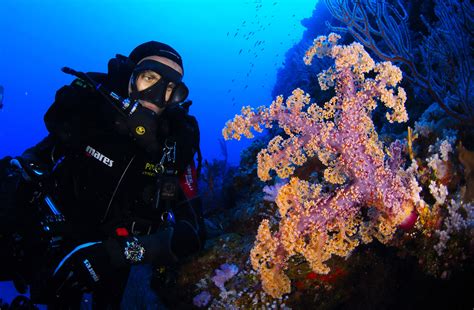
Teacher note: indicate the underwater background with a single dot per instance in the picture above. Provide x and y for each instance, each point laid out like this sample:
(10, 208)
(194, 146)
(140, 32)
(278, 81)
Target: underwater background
(359, 192)
(231, 52)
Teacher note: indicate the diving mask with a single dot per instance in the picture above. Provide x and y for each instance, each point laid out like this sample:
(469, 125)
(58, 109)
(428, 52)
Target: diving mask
(156, 93)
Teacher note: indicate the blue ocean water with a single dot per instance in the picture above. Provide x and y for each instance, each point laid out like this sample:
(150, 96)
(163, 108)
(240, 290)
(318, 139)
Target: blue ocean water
(231, 51)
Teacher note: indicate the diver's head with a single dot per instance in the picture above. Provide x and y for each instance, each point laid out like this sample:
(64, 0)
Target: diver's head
(156, 81)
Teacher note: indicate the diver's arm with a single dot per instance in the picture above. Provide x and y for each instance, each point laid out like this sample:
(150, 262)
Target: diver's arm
(42, 153)
(88, 263)
(74, 107)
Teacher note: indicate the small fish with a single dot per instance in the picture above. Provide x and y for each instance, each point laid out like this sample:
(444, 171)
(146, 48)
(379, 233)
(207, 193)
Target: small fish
(274, 3)
(240, 52)
(228, 33)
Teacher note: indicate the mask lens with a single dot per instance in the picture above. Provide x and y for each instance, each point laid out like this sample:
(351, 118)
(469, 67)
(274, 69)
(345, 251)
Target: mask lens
(146, 79)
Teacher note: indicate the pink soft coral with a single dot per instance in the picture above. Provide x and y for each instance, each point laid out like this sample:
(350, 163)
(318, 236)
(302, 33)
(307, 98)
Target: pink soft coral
(341, 134)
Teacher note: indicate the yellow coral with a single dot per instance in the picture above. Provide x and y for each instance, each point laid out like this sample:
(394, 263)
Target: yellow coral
(264, 248)
(385, 231)
(322, 46)
(388, 72)
(330, 108)
(316, 252)
(334, 176)
(366, 232)
(326, 79)
(295, 193)
(274, 280)
(342, 242)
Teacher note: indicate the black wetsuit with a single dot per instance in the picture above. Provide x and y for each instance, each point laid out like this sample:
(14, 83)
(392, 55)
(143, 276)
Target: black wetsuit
(104, 182)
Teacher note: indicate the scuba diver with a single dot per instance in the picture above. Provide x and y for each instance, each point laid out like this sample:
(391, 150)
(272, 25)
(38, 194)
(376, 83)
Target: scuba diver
(114, 184)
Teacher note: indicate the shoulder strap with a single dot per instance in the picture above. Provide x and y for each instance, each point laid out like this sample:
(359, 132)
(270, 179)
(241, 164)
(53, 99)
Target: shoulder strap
(196, 142)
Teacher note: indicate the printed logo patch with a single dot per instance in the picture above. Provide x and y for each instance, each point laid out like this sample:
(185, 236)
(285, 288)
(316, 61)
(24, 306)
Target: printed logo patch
(100, 157)
(91, 270)
(151, 169)
(187, 180)
(140, 130)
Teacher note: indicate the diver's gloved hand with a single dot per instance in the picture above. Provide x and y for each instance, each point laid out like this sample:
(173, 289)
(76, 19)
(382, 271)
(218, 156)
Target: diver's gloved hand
(148, 249)
(29, 179)
(80, 270)
(29, 170)
(83, 268)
